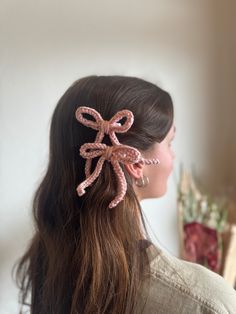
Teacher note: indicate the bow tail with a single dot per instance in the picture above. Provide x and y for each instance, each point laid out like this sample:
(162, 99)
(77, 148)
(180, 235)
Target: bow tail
(82, 186)
(88, 167)
(113, 138)
(88, 163)
(122, 184)
(99, 137)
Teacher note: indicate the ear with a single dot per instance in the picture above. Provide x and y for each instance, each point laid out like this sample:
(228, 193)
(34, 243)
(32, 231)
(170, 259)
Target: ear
(135, 170)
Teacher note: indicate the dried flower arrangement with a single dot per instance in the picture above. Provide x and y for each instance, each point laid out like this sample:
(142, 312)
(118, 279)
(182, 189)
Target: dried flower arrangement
(202, 221)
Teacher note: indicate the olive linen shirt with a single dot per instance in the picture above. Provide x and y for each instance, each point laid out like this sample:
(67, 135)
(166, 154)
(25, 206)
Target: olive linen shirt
(177, 286)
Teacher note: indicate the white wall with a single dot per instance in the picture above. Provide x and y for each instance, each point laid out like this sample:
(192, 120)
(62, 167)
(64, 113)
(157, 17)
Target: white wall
(184, 46)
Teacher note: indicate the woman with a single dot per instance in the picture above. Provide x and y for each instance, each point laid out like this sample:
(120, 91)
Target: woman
(110, 147)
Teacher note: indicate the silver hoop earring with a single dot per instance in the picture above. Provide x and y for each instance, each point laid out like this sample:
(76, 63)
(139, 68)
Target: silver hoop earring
(142, 182)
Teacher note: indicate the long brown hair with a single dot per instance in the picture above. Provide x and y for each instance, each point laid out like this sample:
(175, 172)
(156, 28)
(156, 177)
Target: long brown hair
(85, 257)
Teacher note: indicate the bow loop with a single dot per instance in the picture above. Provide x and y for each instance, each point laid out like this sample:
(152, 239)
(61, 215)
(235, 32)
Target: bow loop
(126, 154)
(92, 150)
(96, 115)
(122, 128)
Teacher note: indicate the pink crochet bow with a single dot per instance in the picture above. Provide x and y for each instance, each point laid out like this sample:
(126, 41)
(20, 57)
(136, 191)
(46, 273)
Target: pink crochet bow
(115, 154)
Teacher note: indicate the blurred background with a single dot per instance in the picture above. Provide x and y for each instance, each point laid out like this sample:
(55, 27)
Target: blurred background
(187, 47)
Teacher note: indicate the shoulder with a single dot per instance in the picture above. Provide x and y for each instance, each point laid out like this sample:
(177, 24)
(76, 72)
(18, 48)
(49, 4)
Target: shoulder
(178, 286)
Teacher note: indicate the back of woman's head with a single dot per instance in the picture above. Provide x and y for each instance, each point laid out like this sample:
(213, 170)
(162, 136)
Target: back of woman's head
(86, 257)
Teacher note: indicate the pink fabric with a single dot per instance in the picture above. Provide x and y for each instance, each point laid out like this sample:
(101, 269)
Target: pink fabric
(115, 154)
